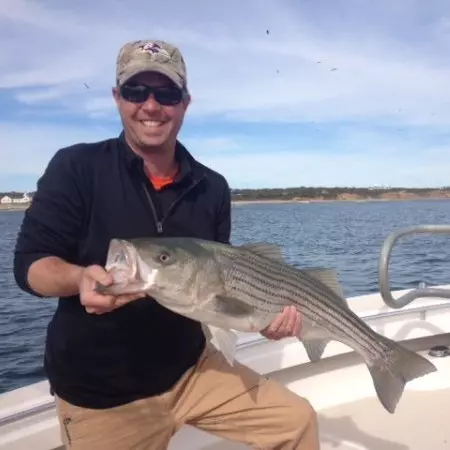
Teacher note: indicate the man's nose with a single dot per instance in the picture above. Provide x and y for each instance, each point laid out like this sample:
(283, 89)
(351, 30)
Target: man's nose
(151, 104)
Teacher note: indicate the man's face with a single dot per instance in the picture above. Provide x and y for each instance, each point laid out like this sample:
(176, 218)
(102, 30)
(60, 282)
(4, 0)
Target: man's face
(150, 126)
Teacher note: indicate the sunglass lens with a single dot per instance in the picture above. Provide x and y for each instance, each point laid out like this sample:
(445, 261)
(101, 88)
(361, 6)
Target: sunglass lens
(168, 96)
(139, 93)
(134, 93)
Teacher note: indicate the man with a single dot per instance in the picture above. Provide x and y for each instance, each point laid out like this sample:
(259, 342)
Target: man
(127, 373)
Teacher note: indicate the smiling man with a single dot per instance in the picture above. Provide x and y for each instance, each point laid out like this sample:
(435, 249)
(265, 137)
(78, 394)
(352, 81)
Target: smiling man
(126, 372)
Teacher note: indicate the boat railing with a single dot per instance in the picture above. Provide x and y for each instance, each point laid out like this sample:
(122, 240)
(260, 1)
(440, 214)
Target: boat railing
(383, 268)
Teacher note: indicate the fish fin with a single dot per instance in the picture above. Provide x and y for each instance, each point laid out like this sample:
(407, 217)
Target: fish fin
(314, 348)
(224, 341)
(271, 251)
(330, 278)
(390, 381)
(232, 306)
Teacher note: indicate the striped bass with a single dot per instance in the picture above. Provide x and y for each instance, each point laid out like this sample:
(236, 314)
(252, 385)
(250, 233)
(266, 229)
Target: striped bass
(244, 288)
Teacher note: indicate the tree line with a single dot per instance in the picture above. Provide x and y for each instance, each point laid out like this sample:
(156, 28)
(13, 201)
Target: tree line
(327, 193)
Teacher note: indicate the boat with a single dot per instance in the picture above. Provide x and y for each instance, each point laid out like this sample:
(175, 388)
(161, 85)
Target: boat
(339, 386)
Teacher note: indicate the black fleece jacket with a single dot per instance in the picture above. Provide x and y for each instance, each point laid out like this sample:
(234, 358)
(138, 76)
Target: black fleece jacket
(89, 194)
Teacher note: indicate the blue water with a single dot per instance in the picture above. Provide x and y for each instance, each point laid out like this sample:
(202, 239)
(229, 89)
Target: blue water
(344, 236)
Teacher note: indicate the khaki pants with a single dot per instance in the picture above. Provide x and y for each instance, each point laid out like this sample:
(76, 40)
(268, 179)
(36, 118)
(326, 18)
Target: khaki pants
(232, 402)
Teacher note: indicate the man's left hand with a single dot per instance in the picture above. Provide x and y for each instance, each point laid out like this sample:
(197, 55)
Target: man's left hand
(288, 323)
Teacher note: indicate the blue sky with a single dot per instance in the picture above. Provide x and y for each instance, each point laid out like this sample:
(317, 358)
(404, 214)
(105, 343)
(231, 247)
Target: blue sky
(268, 110)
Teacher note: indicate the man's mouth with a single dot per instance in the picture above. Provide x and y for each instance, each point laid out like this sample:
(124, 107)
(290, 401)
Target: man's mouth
(151, 123)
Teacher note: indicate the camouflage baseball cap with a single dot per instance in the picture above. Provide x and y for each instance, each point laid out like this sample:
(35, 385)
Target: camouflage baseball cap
(151, 55)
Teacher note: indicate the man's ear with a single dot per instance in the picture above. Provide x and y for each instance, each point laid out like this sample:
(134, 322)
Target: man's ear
(187, 100)
(115, 94)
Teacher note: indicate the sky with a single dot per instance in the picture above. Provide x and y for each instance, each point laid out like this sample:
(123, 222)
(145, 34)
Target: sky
(284, 92)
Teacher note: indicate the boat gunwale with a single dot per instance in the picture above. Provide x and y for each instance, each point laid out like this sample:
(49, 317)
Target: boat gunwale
(247, 343)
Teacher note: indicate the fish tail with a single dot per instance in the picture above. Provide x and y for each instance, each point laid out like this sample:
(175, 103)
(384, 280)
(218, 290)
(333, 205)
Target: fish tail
(391, 376)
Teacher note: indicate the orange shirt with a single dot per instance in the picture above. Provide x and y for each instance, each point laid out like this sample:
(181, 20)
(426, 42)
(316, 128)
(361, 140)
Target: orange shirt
(160, 182)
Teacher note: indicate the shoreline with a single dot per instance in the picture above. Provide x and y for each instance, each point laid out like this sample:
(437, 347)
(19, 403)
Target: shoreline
(23, 208)
(336, 200)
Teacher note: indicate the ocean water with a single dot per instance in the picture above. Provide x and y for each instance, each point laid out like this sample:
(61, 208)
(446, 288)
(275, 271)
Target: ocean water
(344, 236)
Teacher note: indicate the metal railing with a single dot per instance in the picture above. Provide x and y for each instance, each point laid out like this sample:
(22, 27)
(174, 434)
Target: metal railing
(383, 268)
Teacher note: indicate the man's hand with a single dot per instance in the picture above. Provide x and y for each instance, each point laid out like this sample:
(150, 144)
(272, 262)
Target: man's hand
(96, 303)
(288, 323)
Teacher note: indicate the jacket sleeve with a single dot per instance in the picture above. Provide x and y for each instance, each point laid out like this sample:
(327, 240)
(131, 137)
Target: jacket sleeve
(223, 228)
(52, 224)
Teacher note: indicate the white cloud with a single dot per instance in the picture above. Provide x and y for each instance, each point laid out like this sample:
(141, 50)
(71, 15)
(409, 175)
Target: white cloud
(233, 63)
(27, 148)
(360, 159)
(285, 169)
(392, 73)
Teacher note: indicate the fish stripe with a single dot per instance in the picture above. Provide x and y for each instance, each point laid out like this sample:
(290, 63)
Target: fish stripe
(265, 273)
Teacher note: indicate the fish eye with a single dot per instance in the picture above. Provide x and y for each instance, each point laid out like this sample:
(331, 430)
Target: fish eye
(164, 257)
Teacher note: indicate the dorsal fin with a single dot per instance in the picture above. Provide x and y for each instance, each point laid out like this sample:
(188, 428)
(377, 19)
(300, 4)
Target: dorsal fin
(330, 278)
(271, 251)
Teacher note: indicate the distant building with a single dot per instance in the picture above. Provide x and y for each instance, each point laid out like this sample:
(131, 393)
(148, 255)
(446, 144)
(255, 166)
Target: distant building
(25, 199)
(6, 200)
(16, 199)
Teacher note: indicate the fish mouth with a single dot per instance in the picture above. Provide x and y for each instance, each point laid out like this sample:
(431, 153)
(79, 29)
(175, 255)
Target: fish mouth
(121, 259)
(122, 264)
(129, 273)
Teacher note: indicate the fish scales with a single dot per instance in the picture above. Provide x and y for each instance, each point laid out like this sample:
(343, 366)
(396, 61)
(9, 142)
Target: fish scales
(304, 291)
(245, 287)
(246, 276)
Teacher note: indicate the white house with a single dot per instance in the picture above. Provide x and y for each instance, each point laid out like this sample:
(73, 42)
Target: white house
(25, 199)
(6, 200)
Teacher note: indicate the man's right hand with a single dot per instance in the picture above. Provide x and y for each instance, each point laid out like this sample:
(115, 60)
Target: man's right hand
(95, 303)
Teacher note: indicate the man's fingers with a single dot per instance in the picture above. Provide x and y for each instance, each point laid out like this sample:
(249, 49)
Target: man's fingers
(276, 324)
(93, 310)
(287, 323)
(98, 273)
(298, 324)
(99, 301)
(106, 303)
(124, 299)
(290, 318)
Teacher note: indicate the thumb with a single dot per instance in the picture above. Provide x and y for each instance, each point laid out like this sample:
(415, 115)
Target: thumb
(99, 274)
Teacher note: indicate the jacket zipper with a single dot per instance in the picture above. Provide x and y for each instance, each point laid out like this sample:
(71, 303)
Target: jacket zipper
(159, 223)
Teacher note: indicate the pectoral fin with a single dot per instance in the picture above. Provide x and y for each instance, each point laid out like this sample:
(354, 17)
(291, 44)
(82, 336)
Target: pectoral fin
(223, 340)
(232, 306)
(314, 348)
(314, 339)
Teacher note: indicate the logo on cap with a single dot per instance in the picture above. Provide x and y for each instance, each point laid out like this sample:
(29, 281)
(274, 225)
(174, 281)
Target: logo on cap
(155, 50)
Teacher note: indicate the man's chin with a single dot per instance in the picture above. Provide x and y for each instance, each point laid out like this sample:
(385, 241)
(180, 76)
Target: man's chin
(153, 145)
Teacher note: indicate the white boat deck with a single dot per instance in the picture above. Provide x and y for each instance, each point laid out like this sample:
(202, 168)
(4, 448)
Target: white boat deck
(421, 422)
(339, 387)
(362, 426)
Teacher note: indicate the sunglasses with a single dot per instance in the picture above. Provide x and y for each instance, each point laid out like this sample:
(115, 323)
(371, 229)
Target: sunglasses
(139, 93)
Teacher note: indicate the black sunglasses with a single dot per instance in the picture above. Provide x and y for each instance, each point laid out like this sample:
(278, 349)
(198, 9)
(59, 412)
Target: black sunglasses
(139, 93)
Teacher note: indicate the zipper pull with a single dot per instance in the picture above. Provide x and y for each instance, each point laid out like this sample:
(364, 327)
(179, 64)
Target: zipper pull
(159, 227)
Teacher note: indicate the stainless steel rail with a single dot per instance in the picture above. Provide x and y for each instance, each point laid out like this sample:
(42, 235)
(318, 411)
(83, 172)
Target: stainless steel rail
(383, 268)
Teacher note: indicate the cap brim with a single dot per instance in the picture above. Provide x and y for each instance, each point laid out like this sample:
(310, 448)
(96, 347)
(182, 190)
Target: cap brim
(134, 69)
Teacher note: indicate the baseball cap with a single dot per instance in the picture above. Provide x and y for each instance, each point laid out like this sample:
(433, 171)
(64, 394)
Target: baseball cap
(151, 55)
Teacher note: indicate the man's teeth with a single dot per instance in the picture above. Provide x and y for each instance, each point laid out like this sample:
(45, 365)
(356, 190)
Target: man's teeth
(151, 123)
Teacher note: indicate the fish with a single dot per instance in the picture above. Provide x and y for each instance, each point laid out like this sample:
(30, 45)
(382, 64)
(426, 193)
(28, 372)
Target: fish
(243, 287)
